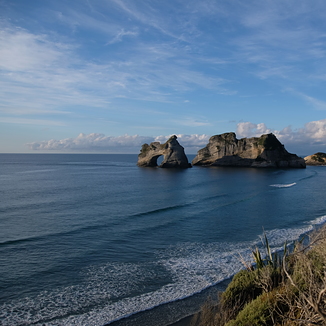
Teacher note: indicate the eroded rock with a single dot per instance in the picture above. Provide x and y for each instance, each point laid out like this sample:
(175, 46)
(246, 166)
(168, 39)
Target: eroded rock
(173, 152)
(264, 151)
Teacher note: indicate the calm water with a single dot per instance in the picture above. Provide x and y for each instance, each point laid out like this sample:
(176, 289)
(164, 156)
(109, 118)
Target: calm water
(89, 239)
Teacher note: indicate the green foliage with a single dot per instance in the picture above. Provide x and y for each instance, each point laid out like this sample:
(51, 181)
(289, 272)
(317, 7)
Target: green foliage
(257, 312)
(257, 258)
(317, 260)
(288, 291)
(274, 260)
(242, 289)
(319, 157)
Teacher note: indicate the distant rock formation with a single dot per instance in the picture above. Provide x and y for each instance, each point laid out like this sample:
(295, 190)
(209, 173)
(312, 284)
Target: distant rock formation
(173, 152)
(316, 159)
(265, 151)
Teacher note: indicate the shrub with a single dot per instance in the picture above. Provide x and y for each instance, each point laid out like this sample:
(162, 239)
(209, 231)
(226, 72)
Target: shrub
(258, 312)
(288, 291)
(242, 289)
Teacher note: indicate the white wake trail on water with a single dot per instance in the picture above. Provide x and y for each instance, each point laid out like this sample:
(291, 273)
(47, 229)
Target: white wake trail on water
(284, 185)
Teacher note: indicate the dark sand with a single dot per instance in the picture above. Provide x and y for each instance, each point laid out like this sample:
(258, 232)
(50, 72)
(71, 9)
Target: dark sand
(178, 313)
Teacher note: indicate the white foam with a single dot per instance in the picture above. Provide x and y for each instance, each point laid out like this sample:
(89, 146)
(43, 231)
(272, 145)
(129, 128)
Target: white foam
(193, 268)
(111, 291)
(284, 185)
(319, 220)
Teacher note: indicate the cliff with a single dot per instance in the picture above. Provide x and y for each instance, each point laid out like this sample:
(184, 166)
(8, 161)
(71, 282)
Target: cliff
(173, 152)
(264, 151)
(316, 159)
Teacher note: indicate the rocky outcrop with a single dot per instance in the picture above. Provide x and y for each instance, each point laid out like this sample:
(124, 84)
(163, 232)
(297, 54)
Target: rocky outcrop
(173, 152)
(316, 159)
(264, 151)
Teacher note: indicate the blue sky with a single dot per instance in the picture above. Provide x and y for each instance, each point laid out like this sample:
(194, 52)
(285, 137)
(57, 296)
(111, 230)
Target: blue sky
(106, 76)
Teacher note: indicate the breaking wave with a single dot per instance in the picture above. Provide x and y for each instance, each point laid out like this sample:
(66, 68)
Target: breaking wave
(114, 291)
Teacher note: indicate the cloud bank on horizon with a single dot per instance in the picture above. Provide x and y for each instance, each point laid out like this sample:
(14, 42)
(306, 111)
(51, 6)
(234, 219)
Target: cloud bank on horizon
(108, 69)
(312, 135)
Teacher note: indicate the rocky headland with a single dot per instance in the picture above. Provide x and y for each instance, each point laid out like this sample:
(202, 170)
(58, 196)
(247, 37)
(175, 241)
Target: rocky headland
(173, 152)
(316, 159)
(265, 151)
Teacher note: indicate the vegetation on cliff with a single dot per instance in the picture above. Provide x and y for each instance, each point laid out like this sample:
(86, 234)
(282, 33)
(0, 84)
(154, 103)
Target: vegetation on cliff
(281, 289)
(316, 159)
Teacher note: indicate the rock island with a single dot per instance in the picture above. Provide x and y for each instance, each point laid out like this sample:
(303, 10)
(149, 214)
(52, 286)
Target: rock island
(265, 151)
(173, 152)
(316, 159)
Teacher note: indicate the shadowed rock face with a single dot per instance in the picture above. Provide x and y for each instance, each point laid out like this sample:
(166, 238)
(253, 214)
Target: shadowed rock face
(173, 152)
(264, 151)
(316, 159)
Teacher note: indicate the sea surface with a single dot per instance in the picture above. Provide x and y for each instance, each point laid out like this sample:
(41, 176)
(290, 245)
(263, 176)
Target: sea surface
(92, 239)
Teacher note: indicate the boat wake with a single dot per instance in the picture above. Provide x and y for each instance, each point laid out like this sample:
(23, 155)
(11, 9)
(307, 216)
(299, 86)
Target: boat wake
(286, 185)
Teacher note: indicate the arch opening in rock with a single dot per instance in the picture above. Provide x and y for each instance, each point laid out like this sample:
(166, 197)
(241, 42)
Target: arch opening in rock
(156, 160)
(160, 159)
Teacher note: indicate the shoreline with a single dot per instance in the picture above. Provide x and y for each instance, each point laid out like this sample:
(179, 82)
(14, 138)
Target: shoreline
(176, 313)
(181, 312)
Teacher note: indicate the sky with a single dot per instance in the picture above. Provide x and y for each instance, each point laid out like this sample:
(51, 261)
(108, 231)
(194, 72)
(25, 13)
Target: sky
(106, 76)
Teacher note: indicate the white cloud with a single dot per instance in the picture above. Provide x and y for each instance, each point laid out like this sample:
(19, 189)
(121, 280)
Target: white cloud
(39, 75)
(249, 129)
(315, 130)
(312, 136)
(187, 141)
(121, 34)
(91, 142)
(24, 51)
(102, 143)
(42, 73)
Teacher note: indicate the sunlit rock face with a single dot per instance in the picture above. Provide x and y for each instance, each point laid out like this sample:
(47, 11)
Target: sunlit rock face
(173, 152)
(316, 159)
(265, 151)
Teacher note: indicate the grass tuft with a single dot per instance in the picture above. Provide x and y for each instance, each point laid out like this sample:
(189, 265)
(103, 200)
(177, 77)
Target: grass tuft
(278, 289)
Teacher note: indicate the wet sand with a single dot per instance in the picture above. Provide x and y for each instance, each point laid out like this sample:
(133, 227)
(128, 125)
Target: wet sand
(177, 313)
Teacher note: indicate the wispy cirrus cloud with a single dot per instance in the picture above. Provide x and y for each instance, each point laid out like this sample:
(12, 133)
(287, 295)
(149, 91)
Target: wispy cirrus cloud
(121, 34)
(280, 37)
(318, 104)
(150, 16)
(24, 51)
(192, 122)
(128, 62)
(26, 121)
(40, 72)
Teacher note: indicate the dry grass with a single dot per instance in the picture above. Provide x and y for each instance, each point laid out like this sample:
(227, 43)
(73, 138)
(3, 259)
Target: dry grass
(289, 292)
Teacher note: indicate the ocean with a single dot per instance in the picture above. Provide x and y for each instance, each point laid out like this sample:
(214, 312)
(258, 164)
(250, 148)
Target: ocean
(92, 239)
